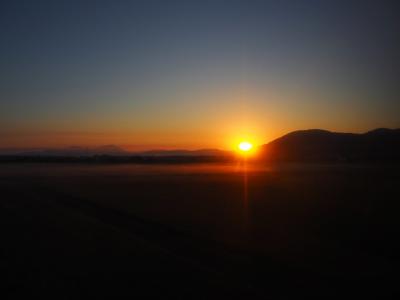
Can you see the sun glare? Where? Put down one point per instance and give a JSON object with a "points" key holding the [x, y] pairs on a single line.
{"points": [[245, 146]]}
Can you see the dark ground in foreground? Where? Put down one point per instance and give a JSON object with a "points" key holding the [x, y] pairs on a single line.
{"points": [[199, 231]]}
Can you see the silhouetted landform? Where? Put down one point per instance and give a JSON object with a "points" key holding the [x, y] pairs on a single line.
{"points": [[113, 154], [183, 152], [113, 159], [316, 145], [109, 150], [73, 151]]}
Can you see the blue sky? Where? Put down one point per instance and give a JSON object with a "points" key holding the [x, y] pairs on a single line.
{"points": [[194, 73]]}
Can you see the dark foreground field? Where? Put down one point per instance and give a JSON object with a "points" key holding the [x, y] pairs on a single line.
{"points": [[199, 231]]}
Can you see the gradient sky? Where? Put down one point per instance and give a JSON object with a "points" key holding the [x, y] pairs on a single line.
{"points": [[194, 74]]}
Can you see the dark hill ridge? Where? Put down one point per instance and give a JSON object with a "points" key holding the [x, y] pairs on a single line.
{"points": [[111, 150], [73, 151], [183, 152], [313, 145], [381, 144]]}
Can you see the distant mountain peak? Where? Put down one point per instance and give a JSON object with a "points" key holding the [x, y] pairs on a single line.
{"points": [[380, 144], [379, 131]]}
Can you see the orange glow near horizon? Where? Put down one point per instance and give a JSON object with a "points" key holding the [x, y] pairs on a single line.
{"points": [[224, 137]]}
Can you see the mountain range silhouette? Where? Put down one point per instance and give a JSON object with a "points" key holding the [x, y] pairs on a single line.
{"points": [[313, 145], [317, 145]]}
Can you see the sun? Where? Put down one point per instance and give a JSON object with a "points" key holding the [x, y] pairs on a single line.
{"points": [[245, 146]]}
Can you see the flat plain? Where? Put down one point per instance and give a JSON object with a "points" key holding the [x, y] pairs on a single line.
{"points": [[201, 231]]}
